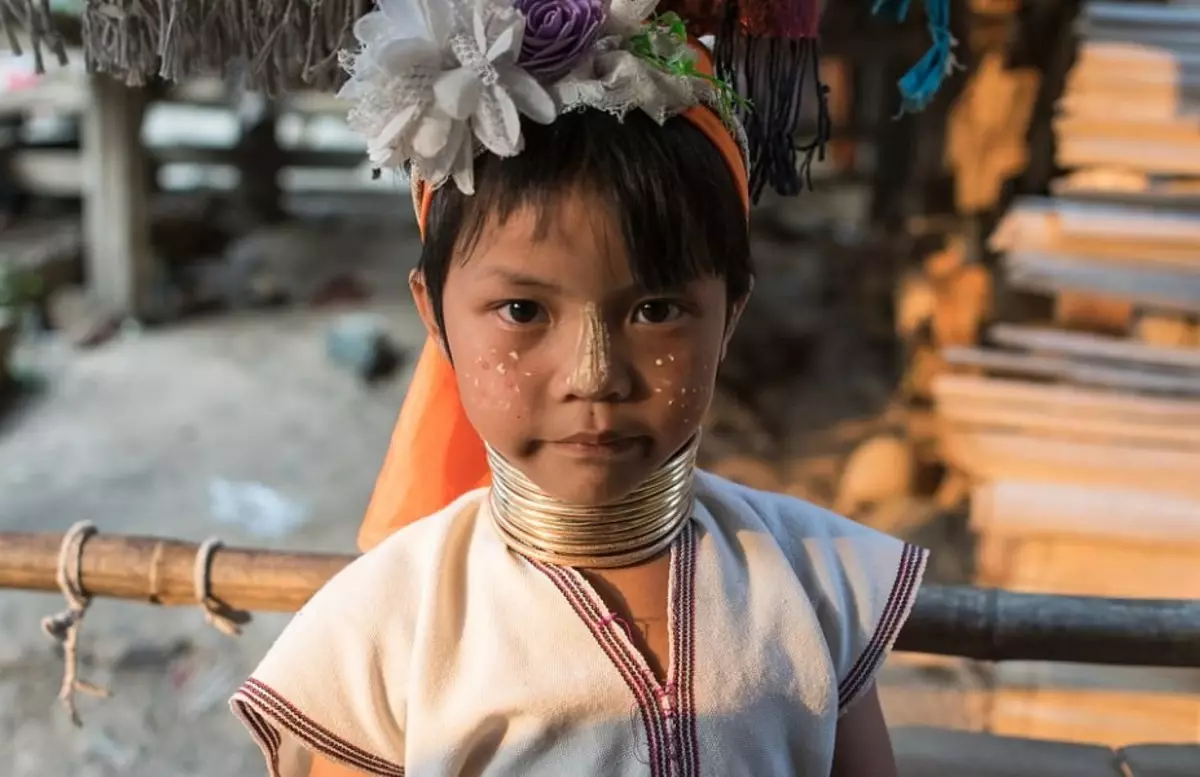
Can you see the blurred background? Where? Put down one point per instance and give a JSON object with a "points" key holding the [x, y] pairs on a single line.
{"points": [[981, 332]]}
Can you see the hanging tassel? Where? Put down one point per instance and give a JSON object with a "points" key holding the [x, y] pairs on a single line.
{"points": [[921, 83], [770, 54], [767, 50]]}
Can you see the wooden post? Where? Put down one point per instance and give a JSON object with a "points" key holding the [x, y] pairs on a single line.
{"points": [[118, 260], [260, 162]]}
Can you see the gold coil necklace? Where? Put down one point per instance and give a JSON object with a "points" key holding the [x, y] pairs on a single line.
{"points": [[621, 533]]}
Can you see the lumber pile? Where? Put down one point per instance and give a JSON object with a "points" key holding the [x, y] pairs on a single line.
{"points": [[1075, 420]]}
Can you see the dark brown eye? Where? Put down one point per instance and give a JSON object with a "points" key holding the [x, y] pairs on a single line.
{"points": [[521, 311], [659, 311]]}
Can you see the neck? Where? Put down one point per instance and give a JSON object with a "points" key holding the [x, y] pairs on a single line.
{"points": [[622, 533]]}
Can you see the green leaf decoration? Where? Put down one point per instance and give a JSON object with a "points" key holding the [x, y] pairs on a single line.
{"points": [[662, 42]]}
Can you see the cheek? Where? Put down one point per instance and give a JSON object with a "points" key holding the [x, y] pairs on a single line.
{"points": [[495, 386], [681, 388]]}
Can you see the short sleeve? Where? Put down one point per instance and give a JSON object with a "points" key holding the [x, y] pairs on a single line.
{"points": [[871, 594], [862, 583], [333, 682]]}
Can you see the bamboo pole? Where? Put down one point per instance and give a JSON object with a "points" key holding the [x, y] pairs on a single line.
{"points": [[995, 625], [974, 623], [160, 571]]}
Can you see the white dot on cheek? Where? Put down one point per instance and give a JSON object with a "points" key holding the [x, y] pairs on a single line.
{"points": [[658, 362], [500, 368]]}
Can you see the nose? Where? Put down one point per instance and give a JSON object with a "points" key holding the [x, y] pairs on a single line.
{"points": [[593, 372]]}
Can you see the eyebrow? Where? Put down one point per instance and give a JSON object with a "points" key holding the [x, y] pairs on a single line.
{"points": [[521, 279]]}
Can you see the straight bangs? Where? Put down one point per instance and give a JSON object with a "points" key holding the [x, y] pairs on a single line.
{"points": [[676, 203]]}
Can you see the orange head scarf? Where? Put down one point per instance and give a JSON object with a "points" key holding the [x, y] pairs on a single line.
{"points": [[435, 456]]}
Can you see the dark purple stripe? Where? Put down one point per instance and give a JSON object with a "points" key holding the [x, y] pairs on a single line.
{"points": [[644, 697], [657, 726], [687, 685], [875, 652], [887, 637], [262, 726], [902, 592], [679, 673], [270, 702], [263, 732], [860, 664]]}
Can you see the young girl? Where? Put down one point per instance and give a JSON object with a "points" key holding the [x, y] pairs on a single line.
{"points": [[576, 598]]}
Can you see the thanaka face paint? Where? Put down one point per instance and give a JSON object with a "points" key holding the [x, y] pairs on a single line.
{"points": [[593, 355], [551, 341]]}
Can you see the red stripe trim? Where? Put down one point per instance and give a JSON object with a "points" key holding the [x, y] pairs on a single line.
{"points": [[685, 655], [687, 687], [895, 612], [275, 708], [903, 589], [309, 731], [262, 727], [263, 733], [577, 597], [861, 664]]}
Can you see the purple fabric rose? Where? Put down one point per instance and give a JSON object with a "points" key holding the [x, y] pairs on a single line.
{"points": [[558, 34]]}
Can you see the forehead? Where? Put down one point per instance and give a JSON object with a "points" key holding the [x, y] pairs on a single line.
{"points": [[573, 241]]}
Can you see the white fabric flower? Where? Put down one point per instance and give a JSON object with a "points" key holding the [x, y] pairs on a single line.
{"points": [[433, 78], [436, 80], [617, 81]]}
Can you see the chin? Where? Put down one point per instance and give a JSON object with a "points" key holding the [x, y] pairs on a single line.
{"points": [[591, 485]]}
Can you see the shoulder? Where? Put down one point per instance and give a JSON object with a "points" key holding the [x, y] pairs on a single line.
{"points": [[376, 597], [335, 681], [862, 582], [797, 525], [396, 569]]}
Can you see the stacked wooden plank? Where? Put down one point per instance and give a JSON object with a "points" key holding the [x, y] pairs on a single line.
{"points": [[1079, 427], [1084, 456]]}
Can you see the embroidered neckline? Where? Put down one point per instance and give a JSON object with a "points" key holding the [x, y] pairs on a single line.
{"points": [[666, 709]]}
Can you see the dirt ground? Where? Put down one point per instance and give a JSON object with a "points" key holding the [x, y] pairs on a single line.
{"points": [[133, 436], [141, 435]]}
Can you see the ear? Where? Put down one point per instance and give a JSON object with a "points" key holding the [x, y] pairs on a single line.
{"points": [[424, 303], [735, 315]]}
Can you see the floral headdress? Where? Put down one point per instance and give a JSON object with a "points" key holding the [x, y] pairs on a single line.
{"points": [[437, 81]]}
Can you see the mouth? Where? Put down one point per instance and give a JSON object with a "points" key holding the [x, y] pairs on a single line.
{"points": [[597, 444]]}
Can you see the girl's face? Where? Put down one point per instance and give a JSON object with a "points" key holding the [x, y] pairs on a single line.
{"points": [[584, 381]]}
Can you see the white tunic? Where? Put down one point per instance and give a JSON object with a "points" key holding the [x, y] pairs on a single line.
{"points": [[441, 652]]}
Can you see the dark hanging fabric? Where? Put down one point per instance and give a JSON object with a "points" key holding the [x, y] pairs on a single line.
{"points": [[768, 51]]}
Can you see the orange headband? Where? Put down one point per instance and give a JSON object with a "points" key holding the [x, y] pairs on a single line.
{"points": [[435, 456]]}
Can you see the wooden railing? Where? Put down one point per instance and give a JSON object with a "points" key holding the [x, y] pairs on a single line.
{"points": [[983, 624]]}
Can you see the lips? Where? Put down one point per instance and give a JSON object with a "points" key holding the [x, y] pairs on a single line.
{"points": [[597, 444], [594, 438]]}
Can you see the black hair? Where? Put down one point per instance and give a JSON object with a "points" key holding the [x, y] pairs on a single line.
{"points": [[680, 213]]}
